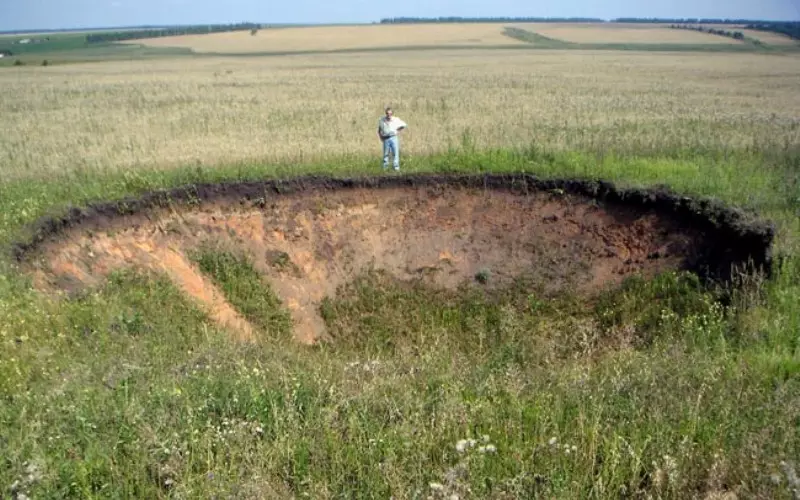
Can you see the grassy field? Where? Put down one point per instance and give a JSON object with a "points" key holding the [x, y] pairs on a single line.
{"points": [[164, 114], [60, 48], [655, 390]]}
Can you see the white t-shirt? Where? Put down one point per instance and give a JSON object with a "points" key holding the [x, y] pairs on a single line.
{"points": [[389, 128]]}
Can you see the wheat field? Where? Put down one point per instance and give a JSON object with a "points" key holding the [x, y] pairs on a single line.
{"points": [[325, 38], [162, 114], [623, 33], [766, 37]]}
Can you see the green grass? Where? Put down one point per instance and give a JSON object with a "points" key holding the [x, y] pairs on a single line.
{"points": [[62, 48], [655, 389], [244, 289]]}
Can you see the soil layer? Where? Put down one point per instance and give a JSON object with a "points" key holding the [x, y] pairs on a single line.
{"points": [[308, 236]]}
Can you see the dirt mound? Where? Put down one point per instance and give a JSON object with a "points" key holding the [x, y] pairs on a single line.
{"points": [[309, 236]]}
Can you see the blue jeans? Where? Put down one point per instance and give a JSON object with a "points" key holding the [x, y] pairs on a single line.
{"points": [[392, 144]]}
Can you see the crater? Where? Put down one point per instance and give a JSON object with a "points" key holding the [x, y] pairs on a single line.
{"points": [[309, 236]]}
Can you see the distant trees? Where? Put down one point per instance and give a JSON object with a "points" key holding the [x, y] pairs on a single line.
{"points": [[119, 36], [690, 20], [790, 29], [736, 35]]}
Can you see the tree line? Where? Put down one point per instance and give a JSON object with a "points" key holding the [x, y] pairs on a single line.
{"points": [[119, 36], [736, 35], [790, 29]]}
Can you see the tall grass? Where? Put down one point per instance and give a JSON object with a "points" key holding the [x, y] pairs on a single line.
{"points": [[169, 114]]}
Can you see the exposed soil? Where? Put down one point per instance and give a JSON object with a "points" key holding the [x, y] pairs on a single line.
{"points": [[307, 237]]}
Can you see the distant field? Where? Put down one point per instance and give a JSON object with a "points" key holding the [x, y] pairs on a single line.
{"points": [[164, 113], [766, 37], [339, 38], [623, 33]]}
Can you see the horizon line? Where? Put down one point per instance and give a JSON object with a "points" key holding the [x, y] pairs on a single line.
{"points": [[411, 20]]}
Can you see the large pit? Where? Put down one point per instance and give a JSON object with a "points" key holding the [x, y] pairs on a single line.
{"points": [[309, 236]]}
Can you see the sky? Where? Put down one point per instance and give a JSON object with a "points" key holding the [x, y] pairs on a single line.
{"points": [[63, 14]]}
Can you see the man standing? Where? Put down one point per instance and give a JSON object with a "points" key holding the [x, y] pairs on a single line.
{"points": [[389, 126]]}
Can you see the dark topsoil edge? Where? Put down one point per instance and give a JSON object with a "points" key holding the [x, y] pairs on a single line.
{"points": [[731, 239]]}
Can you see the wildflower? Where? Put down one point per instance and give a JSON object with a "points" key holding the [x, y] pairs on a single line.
{"points": [[436, 486], [489, 448], [463, 444], [553, 441], [453, 497], [485, 438]]}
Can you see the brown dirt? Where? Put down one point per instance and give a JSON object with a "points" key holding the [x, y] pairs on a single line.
{"points": [[308, 244]]}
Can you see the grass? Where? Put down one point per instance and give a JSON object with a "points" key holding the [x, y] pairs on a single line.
{"points": [[138, 115], [656, 389], [63, 48], [243, 288]]}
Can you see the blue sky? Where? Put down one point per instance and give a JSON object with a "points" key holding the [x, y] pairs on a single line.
{"points": [[49, 14]]}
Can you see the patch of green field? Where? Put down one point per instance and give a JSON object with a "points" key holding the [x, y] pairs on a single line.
{"points": [[60, 48], [657, 389]]}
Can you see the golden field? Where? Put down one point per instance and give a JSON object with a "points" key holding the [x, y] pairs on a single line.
{"points": [[623, 33], [339, 37], [166, 113], [766, 37]]}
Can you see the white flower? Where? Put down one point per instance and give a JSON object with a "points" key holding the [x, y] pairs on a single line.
{"points": [[489, 448], [553, 441], [436, 486], [453, 497], [574, 448], [485, 438], [463, 444]]}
